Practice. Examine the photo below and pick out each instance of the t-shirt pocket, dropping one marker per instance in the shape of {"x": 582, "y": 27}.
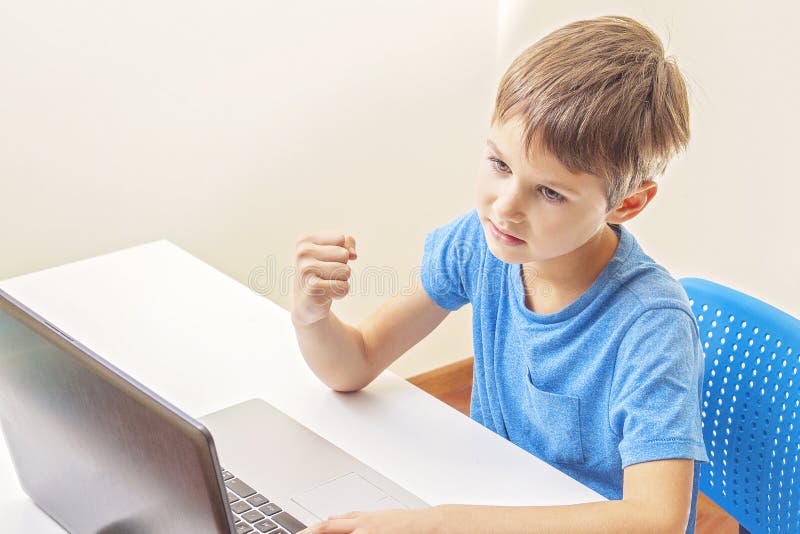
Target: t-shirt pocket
{"x": 554, "y": 426}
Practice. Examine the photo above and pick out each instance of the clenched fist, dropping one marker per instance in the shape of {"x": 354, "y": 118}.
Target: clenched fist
{"x": 321, "y": 274}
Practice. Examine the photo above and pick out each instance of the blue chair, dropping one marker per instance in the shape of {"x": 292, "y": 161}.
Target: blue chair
{"x": 751, "y": 407}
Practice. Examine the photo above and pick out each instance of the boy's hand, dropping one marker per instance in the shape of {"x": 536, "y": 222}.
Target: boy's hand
{"x": 321, "y": 274}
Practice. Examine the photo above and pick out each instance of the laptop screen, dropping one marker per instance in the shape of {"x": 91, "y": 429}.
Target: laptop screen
{"x": 97, "y": 451}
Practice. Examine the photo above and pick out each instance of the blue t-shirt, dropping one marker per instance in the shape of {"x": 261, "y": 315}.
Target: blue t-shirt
{"x": 613, "y": 379}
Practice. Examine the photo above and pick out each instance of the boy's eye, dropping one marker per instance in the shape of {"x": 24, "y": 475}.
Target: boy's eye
{"x": 499, "y": 165}
{"x": 550, "y": 194}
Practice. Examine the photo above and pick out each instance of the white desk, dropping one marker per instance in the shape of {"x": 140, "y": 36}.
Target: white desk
{"x": 204, "y": 341}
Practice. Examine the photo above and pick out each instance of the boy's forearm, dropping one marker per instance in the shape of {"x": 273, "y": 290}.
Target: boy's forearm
{"x": 335, "y": 351}
{"x": 596, "y": 518}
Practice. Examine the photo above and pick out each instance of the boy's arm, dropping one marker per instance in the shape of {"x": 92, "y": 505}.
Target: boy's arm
{"x": 348, "y": 358}
{"x": 656, "y": 499}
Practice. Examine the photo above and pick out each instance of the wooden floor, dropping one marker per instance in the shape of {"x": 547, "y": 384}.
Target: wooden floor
{"x": 452, "y": 384}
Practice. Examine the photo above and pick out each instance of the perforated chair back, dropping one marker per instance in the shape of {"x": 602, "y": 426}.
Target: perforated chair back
{"x": 751, "y": 407}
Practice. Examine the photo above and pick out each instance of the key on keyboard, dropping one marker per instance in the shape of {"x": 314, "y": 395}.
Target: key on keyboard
{"x": 249, "y": 520}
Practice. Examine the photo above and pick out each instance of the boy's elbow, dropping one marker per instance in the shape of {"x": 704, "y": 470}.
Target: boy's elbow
{"x": 667, "y": 521}
{"x": 342, "y": 382}
{"x": 657, "y": 518}
{"x": 667, "y": 527}
{"x": 347, "y": 386}
{"x": 677, "y": 524}
{"x": 676, "y": 518}
{"x": 671, "y": 528}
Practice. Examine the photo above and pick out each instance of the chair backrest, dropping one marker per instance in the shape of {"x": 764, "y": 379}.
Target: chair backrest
{"x": 751, "y": 406}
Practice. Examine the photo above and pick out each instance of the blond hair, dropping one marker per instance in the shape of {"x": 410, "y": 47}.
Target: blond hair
{"x": 601, "y": 97}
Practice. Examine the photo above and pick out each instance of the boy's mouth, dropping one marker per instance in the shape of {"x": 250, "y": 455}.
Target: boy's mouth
{"x": 503, "y": 237}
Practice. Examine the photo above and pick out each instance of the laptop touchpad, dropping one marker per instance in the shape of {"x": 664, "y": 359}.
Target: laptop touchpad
{"x": 348, "y": 493}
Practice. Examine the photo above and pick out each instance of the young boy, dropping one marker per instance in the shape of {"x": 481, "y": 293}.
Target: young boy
{"x": 586, "y": 351}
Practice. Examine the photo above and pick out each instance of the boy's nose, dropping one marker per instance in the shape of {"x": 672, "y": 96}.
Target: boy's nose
{"x": 509, "y": 206}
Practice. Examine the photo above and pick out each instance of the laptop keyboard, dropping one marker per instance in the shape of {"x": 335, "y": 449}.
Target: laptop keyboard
{"x": 252, "y": 512}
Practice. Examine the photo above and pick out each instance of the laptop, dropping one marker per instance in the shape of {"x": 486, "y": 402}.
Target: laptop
{"x": 100, "y": 453}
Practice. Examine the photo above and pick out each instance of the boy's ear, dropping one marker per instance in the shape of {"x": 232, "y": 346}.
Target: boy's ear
{"x": 634, "y": 203}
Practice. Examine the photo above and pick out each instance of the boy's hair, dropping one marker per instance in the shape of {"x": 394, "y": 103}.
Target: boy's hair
{"x": 601, "y": 97}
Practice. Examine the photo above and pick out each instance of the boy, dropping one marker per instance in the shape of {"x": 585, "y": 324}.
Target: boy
{"x": 586, "y": 351}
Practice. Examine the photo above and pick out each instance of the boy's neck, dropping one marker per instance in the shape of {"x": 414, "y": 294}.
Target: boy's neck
{"x": 552, "y": 285}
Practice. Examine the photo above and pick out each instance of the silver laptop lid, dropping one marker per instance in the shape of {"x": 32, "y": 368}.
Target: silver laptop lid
{"x": 96, "y": 450}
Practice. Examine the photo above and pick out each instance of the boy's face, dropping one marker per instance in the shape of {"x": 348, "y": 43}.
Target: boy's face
{"x": 549, "y": 209}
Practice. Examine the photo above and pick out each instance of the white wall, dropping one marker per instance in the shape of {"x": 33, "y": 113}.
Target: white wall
{"x": 231, "y": 128}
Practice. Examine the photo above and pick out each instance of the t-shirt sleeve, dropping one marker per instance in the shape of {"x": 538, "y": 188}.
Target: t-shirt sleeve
{"x": 451, "y": 261}
{"x": 654, "y": 406}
